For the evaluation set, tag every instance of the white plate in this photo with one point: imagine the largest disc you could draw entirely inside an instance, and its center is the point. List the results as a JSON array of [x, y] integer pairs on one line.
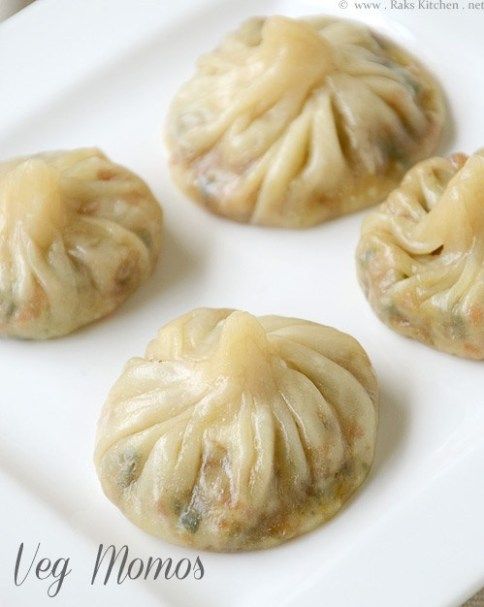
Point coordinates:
[[102, 72]]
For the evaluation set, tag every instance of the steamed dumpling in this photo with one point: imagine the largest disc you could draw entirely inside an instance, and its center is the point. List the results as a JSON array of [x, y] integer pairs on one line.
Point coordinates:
[[235, 432], [291, 122], [421, 255], [78, 234]]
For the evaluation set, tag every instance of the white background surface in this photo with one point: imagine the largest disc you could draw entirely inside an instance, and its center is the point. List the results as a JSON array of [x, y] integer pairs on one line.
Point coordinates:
[[102, 72]]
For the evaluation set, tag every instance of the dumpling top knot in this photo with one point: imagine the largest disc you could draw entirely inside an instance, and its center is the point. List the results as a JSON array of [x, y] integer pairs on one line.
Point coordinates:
[[456, 221], [30, 199], [242, 353], [292, 50]]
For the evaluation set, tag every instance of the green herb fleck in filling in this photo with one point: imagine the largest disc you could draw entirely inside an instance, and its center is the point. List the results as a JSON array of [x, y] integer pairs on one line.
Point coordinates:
[[457, 327], [190, 519], [129, 464]]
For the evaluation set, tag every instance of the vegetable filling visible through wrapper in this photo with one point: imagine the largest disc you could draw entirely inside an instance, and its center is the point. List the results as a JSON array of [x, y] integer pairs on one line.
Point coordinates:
[[237, 433], [291, 122], [421, 255], [78, 234]]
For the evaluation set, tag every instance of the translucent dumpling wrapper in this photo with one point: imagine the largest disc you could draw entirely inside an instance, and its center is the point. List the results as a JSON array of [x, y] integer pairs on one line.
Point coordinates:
[[291, 122], [78, 234], [421, 255], [235, 432]]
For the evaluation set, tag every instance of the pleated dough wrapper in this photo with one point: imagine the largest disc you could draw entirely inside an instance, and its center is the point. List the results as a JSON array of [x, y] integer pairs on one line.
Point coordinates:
[[78, 234], [421, 255], [292, 122], [235, 432]]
